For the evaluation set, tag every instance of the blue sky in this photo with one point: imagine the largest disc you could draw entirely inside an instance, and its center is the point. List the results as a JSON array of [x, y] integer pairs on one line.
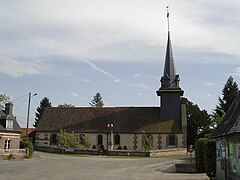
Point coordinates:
[[68, 50]]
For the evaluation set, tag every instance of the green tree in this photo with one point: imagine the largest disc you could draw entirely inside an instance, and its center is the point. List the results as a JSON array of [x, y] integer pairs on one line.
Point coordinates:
[[43, 104], [65, 105], [147, 141], [229, 93], [3, 100], [66, 139], [209, 148], [97, 101], [84, 140], [198, 121]]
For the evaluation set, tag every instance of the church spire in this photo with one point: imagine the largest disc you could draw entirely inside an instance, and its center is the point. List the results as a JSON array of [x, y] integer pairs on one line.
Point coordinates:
[[169, 80]]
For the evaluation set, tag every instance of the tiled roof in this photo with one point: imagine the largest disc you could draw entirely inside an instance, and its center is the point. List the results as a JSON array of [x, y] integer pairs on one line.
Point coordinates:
[[3, 117], [95, 120], [231, 122], [23, 131]]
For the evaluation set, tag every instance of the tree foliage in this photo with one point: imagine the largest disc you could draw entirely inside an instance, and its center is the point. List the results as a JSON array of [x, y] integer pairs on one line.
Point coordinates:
[[199, 154], [3, 100], [147, 141], [229, 93], [97, 101], [66, 139], [209, 148], [198, 121], [43, 104], [84, 140], [65, 105]]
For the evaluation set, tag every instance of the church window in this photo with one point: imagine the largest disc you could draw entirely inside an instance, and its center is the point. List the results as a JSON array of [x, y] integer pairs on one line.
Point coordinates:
[[117, 139], [99, 139], [172, 141]]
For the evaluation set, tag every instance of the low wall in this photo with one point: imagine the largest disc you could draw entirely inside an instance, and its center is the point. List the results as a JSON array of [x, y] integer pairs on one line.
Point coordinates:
[[153, 153], [6, 152], [12, 153]]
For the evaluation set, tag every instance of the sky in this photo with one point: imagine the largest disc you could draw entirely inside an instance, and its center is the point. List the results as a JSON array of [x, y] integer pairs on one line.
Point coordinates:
[[68, 50]]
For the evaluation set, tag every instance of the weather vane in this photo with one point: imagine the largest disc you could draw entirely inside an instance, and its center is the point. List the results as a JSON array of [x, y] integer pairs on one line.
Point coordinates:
[[168, 18]]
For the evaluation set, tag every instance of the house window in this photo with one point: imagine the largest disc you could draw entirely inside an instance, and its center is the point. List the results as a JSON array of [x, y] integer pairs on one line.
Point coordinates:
[[46, 136], [117, 139], [9, 125], [172, 141], [99, 139], [7, 144]]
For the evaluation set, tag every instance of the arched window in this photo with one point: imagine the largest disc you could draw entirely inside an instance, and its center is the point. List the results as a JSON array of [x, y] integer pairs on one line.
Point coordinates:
[[117, 139], [171, 141], [99, 139]]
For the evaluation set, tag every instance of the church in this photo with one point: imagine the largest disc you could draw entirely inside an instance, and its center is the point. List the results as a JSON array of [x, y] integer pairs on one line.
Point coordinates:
[[124, 127]]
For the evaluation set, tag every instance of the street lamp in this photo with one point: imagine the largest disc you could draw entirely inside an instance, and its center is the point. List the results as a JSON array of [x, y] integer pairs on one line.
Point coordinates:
[[110, 126], [29, 102]]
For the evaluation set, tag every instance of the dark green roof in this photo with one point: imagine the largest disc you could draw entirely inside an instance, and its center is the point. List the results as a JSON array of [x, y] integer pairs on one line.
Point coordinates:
[[231, 122], [95, 120]]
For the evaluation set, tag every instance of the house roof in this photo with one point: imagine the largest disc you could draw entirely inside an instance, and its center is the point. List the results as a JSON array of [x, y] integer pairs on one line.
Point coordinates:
[[95, 120], [3, 117], [23, 131], [231, 122]]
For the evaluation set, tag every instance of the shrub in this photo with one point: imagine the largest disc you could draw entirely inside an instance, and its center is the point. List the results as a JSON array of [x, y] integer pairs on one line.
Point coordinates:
[[125, 147], [26, 144], [199, 154], [119, 148], [210, 158], [147, 142], [101, 148], [94, 147], [11, 156]]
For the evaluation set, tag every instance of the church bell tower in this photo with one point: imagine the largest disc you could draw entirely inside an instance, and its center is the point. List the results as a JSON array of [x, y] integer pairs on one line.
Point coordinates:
[[170, 91]]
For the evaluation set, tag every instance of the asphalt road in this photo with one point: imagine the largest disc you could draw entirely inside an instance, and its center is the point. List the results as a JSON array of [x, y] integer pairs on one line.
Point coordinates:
[[61, 167]]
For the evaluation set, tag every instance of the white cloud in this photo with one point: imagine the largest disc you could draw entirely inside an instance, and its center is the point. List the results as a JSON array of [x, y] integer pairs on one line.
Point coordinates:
[[209, 95], [141, 85], [17, 68], [208, 84], [236, 72], [76, 95], [100, 70], [117, 30]]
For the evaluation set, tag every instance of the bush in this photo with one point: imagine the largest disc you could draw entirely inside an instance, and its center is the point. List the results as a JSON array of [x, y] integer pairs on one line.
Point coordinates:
[[210, 158], [94, 147], [101, 148], [125, 147], [26, 144], [11, 156], [199, 154], [119, 148]]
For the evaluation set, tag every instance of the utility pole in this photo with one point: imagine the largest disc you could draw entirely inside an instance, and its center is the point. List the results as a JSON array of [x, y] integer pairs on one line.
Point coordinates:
[[28, 112]]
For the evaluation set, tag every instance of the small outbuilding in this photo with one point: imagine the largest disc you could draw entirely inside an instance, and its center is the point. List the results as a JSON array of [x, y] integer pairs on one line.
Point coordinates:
[[227, 136]]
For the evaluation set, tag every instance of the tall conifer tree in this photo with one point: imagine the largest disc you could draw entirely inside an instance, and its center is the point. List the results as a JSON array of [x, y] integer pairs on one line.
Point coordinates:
[[44, 103], [229, 92], [97, 101]]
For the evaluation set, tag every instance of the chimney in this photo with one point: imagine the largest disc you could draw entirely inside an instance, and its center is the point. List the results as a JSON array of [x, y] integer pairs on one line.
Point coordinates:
[[9, 108]]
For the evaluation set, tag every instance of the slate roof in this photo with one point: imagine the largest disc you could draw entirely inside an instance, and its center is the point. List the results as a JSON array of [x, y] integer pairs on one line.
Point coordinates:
[[3, 117], [95, 120], [231, 122]]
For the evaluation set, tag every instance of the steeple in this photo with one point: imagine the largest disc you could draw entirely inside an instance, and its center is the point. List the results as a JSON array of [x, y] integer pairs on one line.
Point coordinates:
[[169, 80]]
